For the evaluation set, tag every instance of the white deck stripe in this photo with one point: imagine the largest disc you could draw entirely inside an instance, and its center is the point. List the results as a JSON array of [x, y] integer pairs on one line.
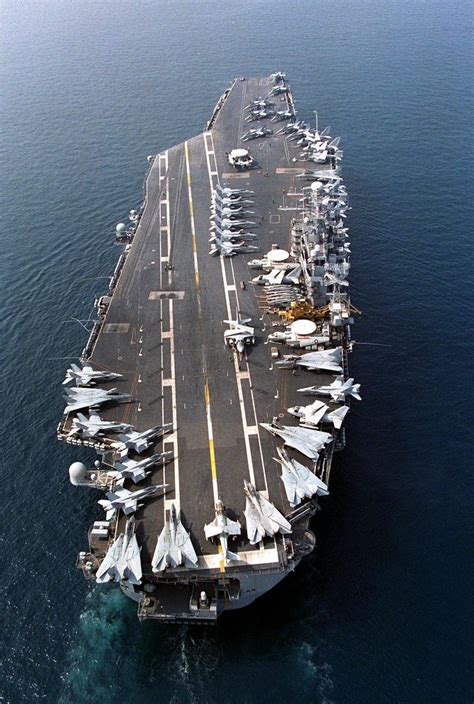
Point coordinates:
[[170, 382], [191, 216], [252, 395], [229, 314], [161, 328], [174, 404], [210, 431]]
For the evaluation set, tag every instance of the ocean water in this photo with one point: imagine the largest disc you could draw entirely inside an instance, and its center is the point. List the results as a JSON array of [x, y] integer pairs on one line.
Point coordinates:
[[382, 612]]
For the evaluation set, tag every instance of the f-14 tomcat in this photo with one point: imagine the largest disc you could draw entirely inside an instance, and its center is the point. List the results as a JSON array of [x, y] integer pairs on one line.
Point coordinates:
[[122, 561]]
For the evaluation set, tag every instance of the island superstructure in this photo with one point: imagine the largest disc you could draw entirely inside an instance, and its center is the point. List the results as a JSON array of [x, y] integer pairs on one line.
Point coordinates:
[[214, 385]]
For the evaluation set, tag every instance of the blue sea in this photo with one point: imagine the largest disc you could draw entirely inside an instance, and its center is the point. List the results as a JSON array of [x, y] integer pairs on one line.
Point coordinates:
[[382, 612]]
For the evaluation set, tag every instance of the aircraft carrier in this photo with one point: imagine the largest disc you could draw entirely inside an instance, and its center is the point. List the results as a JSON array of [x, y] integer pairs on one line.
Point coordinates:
[[228, 306]]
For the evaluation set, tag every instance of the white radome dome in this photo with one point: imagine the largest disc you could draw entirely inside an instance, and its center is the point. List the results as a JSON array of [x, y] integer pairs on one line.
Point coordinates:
[[121, 227], [77, 473]]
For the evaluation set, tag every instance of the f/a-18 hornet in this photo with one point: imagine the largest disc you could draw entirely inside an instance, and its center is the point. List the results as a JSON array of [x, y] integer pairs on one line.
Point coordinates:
[[87, 375]]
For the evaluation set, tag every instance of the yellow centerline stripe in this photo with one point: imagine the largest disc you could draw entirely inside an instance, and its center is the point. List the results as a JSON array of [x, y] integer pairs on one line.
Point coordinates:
[[213, 458], [212, 454], [222, 560]]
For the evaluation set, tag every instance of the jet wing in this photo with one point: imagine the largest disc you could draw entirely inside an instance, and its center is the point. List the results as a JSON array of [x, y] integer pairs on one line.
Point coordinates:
[[301, 446], [133, 561], [92, 431], [255, 531], [276, 276], [183, 542], [232, 527], [310, 435], [290, 483], [294, 275], [325, 364], [274, 515], [315, 412], [337, 416], [85, 403], [212, 529], [103, 574], [336, 394], [159, 561], [313, 483], [128, 506]]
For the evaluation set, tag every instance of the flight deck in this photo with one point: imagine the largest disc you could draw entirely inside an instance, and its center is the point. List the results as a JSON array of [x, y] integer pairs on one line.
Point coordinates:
[[163, 328]]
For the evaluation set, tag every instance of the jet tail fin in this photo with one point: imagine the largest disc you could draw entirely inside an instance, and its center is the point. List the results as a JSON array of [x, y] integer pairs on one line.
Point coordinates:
[[355, 392]]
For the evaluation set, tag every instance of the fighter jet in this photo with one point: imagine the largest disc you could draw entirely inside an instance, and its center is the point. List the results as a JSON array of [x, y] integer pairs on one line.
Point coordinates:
[[229, 211], [261, 516], [131, 469], [258, 103], [300, 483], [338, 390], [87, 375], [282, 115], [139, 442], [306, 441], [233, 192], [278, 77], [276, 90], [239, 333], [279, 276], [316, 413], [174, 546], [259, 114], [228, 201], [78, 397], [234, 237], [327, 175], [228, 249], [223, 527], [310, 415], [127, 500], [316, 156], [326, 360], [292, 127], [255, 134], [94, 425], [232, 221], [285, 337], [122, 560], [235, 226]]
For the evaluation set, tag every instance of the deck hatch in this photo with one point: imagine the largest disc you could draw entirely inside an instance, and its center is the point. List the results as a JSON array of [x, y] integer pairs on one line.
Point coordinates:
[[116, 327], [166, 295]]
